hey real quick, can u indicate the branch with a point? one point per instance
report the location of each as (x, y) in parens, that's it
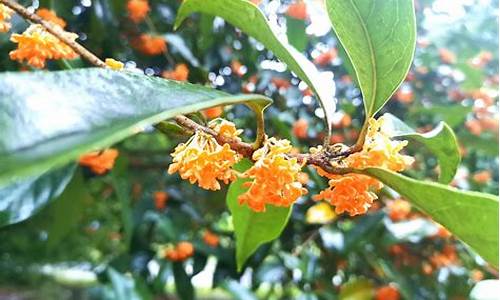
(321, 159)
(55, 30)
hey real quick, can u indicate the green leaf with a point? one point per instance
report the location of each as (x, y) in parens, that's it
(252, 229)
(183, 284)
(25, 197)
(379, 37)
(247, 17)
(57, 116)
(470, 216)
(296, 33)
(441, 141)
(123, 286)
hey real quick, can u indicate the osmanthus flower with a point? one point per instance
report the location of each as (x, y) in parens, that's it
(379, 150)
(203, 161)
(5, 15)
(354, 193)
(274, 177)
(51, 16)
(137, 10)
(350, 193)
(36, 45)
(99, 162)
(180, 73)
(149, 44)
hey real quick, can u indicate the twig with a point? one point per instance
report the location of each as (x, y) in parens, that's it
(55, 30)
(321, 159)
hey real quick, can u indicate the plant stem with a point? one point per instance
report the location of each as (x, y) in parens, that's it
(55, 30)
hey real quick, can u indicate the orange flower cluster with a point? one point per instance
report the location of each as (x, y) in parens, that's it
(399, 209)
(297, 10)
(274, 177)
(299, 128)
(387, 292)
(137, 10)
(160, 198)
(36, 45)
(201, 159)
(51, 16)
(99, 161)
(180, 252)
(448, 256)
(150, 45)
(353, 193)
(211, 239)
(326, 57)
(213, 112)
(180, 73)
(5, 15)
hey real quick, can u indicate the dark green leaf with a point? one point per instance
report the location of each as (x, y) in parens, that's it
(252, 229)
(441, 141)
(24, 197)
(247, 17)
(57, 116)
(183, 284)
(470, 216)
(379, 37)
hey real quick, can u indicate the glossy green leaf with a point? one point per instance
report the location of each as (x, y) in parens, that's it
(470, 216)
(57, 116)
(441, 141)
(379, 37)
(247, 17)
(252, 229)
(24, 197)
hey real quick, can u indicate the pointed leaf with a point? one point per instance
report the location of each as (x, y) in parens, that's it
(252, 229)
(441, 141)
(470, 216)
(379, 37)
(248, 17)
(57, 116)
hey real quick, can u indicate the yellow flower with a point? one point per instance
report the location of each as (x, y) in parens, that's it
(274, 177)
(225, 128)
(320, 213)
(5, 15)
(36, 45)
(202, 160)
(113, 64)
(380, 151)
